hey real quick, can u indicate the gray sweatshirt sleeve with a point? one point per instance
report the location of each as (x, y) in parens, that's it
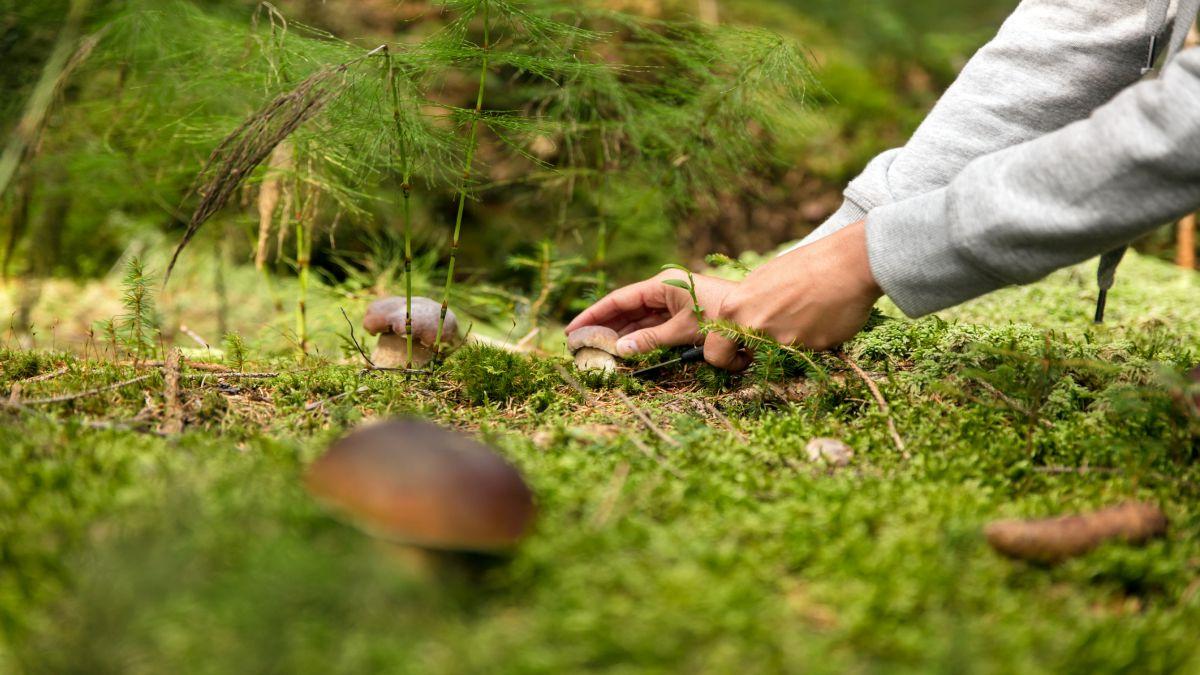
(1052, 62)
(1015, 215)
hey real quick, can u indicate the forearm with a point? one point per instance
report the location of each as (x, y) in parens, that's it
(1015, 215)
(1052, 63)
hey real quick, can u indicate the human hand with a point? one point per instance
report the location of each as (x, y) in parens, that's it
(817, 296)
(652, 314)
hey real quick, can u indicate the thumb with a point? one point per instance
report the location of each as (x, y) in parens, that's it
(723, 353)
(678, 330)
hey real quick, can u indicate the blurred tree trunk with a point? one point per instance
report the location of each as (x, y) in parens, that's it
(18, 221)
(1185, 237)
(709, 12)
(1185, 242)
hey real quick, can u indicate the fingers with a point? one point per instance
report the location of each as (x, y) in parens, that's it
(623, 305)
(723, 353)
(644, 322)
(679, 330)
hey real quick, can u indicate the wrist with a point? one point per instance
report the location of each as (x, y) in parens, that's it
(856, 262)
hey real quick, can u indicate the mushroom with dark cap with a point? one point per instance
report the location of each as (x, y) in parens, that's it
(386, 318)
(413, 482)
(594, 347)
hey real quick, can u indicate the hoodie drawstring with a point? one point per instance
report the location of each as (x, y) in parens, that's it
(1156, 19)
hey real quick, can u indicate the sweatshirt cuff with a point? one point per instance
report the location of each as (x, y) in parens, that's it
(916, 260)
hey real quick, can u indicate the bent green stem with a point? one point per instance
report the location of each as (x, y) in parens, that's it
(462, 186)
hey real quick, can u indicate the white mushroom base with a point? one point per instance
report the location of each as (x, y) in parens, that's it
(595, 359)
(392, 352)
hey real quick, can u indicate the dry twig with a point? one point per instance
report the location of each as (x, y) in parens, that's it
(172, 409)
(641, 415)
(90, 392)
(880, 401)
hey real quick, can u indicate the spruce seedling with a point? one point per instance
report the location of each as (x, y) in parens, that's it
(722, 260)
(235, 350)
(138, 321)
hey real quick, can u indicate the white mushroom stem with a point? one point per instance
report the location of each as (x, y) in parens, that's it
(392, 352)
(590, 358)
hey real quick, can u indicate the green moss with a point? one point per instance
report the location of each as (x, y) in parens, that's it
(487, 374)
(715, 548)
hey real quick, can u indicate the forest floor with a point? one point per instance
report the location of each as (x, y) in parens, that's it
(700, 538)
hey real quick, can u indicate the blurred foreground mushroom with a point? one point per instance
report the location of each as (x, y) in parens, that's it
(413, 482)
(1052, 540)
(594, 348)
(386, 318)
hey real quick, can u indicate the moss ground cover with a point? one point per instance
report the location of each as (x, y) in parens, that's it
(711, 546)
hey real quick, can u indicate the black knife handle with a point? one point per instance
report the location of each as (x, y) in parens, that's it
(692, 355)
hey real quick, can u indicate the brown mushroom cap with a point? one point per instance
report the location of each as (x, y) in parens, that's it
(594, 337)
(388, 315)
(412, 481)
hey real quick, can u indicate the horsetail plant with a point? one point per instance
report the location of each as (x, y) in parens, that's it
(472, 140)
(404, 151)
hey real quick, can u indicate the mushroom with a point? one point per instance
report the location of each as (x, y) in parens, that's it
(594, 348)
(830, 451)
(386, 318)
(413, 482)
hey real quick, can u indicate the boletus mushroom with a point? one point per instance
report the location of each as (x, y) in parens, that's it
(412, 482)
(386, 318)
(594, 347)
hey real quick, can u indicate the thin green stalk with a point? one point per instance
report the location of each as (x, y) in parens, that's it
(462, 189)
(302, 265)
(408, 286)
(305, 217)
(406, 188)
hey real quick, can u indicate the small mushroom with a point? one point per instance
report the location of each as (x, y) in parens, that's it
(386, 318)
(413, 482)
(831, 451)
(594, 348)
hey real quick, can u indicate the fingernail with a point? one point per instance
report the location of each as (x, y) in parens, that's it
(626, 346)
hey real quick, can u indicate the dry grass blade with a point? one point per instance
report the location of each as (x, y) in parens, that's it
(243, 150)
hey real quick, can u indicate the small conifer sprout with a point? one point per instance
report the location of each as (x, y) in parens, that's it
(415, 483)
(1053, 540)
(594, 348)
(387, 319)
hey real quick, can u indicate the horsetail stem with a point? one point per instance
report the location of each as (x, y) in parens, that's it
(303, 245)
(406, 189)
(462, 188)
(408, 291)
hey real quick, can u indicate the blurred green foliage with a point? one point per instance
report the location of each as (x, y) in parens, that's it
(132, 128)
